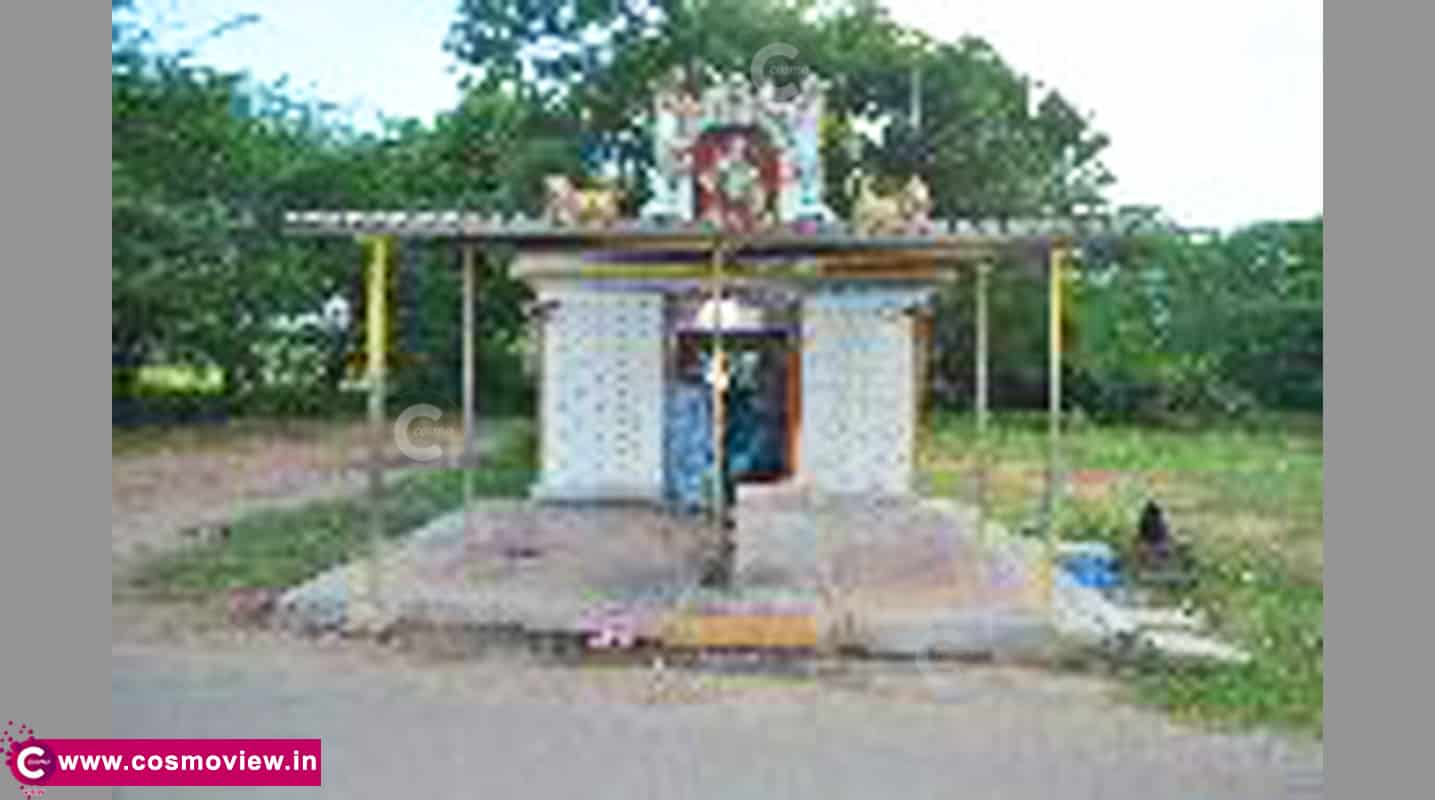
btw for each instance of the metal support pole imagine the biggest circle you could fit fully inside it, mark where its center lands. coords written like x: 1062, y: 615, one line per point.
x: 377, y: 329
x: 915, y: 112
x: 1058, y: 257
x: 470, y: 383
x: 538, y: 329
x: 981, y: 399
x: 470, y: 352
x: 719, y: 380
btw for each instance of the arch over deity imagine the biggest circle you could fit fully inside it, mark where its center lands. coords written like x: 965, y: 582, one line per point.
x: 737, y: 154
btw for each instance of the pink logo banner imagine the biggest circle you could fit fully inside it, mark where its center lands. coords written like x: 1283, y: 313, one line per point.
x: 165, y: 762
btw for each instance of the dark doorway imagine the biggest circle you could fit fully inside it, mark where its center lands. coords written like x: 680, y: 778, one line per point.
x: 761, y: 411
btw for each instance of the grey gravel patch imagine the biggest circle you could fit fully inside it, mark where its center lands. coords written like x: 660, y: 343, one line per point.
x: 319, y: 605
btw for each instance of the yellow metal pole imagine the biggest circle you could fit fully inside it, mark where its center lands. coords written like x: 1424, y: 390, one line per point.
x: 377, y: 329
x: 377, y: 319
x: 1055, y: 273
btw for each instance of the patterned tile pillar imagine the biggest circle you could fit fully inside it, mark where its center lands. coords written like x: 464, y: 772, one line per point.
x: 858, y: 391
x: 602, y: 396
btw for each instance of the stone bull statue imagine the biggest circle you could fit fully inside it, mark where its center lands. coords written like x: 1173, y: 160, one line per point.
x: 567, y: 205
x: 875, y: 214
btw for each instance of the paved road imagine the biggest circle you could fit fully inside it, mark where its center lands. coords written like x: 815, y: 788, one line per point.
x: 500, y: 729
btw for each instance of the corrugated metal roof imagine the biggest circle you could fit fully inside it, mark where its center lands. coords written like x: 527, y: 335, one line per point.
x: 955, y: 235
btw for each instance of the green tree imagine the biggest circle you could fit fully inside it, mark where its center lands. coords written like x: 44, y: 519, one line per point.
x: 1214, y: 325
x: 202, y: 165
x: 981, y: 146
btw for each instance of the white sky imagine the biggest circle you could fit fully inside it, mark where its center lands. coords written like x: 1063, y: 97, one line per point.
x: 1215, y: 109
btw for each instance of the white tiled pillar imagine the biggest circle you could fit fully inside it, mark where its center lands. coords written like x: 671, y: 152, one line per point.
x: 602, y: 396
x: 858, y: 392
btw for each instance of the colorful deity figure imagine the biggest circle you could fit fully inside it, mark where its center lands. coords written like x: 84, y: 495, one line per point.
x: 737, y: 179
x: 904, y: 211
x: 675, y: 122
x: 808, y: 110
x: 773, y: 175
x: 567, y: 205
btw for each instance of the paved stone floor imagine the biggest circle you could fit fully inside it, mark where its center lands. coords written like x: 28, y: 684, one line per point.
x: 544, y: 567
x: 905, y: 576
x: 900, y: 573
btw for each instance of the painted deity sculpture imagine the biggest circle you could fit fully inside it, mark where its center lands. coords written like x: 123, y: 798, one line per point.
x: 568, y: 205
x: 905, y: 211
x: 809, y: 157
x: 917, y: 201
x: 767, y: 170
x: 737, y: 178
x: 875, y: 214
x: 675, y: 122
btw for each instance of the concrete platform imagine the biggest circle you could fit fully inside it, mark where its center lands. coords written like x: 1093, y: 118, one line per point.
x: 545, y: 568
x: 881, y: 575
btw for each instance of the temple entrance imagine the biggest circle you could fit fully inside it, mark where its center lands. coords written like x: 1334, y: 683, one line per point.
x: 763, y: 410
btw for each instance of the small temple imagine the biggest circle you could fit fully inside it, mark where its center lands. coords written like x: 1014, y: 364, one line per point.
x: 739, y: 350
x: 736, y: 300
x: 820, y: 361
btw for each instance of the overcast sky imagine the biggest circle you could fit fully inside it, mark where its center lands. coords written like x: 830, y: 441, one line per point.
x: 1214, y: 108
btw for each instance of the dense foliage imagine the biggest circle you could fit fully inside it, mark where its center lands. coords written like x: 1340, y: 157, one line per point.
x: 989, y: 142
x: 202, y: 277
x: 204, y: 162
x: 1166, y: 327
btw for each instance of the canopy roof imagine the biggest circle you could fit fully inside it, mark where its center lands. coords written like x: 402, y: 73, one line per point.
x: 737, y: 166
x: 945, y: 240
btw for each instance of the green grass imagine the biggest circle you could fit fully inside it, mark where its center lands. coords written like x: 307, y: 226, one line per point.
x: 1278, y: 618
x: 1248, y: 498
x: 179, y: 378
x: 285, y: 547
